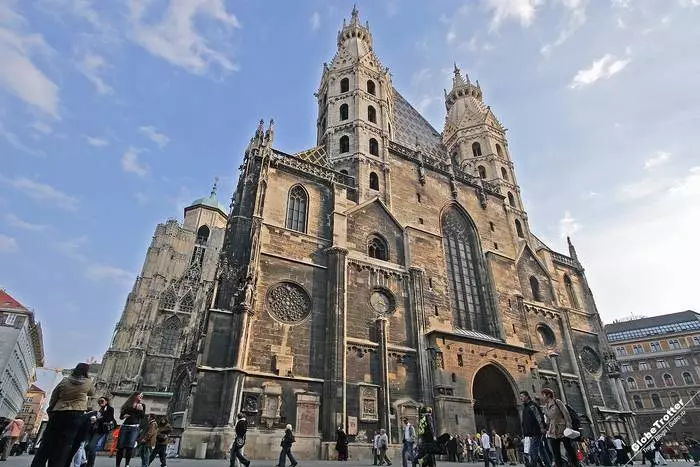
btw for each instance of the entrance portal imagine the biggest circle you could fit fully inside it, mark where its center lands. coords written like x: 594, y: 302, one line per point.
x: 495, y: 406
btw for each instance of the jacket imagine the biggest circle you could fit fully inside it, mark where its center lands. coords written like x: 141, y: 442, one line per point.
x: 71, y: 394
x: 163, y: 433
x: 426, y: 428
x: 288, y: 439
x: 14, y: 429
x: 148, y: 435
x: 532, y: 419
x: 241, y: 428
x: 558, y: 418
x: 105, y: 417
x: 133, y: 415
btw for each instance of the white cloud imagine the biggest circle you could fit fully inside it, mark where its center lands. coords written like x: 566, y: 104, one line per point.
x: 96, y: 142
x: 425, y: 103
x: 19, y: 75
x: 131, y: 164
x: 523, y: 11
x: 315, y: 21
x: 602, y: 68
x: 568, y: 225
x: 14, y: 221
x: 451, y: 36
x: 103, y: 272
x: 141, y: 198
x: 8, y: 244
x: 175, y: 38
x: 42, y: 127
x: 42, y: 192
x: 689, y: 3
x: 660, y: 158
x: 72, y: 247
x: 421, y: 76
x: 151, y: 133
x: 14, y: 141
x: 91, y: 66
x: 576, y: 17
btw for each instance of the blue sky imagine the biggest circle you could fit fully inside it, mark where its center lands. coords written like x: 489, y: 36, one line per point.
x: 115, y: 115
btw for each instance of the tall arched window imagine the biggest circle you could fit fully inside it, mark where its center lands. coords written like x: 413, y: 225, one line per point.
x: 296, y: 209
x: 656, y: 401
x: 519, y: 229
x: 476, y: 150
x: 344, y: 85
x: 466, y: 273
x: 482, y: 171
x: 377, y: 248
x: 638, y: 404
x: 344, y: 112
x: 649, y: 381
x: 688, y: 378
x: 373, y: 147
x: 171, y: 333
x: 373, y: 181
x: 372, y: 114
x: 535, y: 289
x: 511, y: 199
x: 499, y: 151
x: 371, y: 88
x: 186, y: 304
x: 344, y: 144
x: 168, y: 299
x: 202, y: 235
x: 631, y: 383
x: 668, y: 380
x: 504, y: 174
x: 571, y: 295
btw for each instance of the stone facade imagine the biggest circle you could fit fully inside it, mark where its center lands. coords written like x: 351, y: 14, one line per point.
x: 153, y: 342
x: 389, y: 267
x: 31, y: 412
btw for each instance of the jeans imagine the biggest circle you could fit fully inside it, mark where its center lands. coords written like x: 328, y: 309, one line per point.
x: 383, y: 457
x: 487, y: 458
x: 237, y: 454
x: 145, y: 451
x: 58, y: 438
x: 568, y: 447
x: 286, y: 452
x: 161, y: 452
x: 128, y: 434
x: 406, y: 452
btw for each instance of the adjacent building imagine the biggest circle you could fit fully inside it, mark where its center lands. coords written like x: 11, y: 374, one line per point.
x: 660, y: 364
x: 21, y: 352
x: 163, y: 313
x: 387, y: 267
x: 32, y: 412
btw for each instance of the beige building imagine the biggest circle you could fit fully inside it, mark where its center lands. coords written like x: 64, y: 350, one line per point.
x: 388, y: 267
x: 32, y: 412
x: 163, y: 313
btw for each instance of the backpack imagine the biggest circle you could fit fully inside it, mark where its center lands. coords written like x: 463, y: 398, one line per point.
x: 575, y: 419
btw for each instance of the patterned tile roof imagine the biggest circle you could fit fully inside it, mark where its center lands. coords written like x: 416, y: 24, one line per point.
x: 7, y: 303
x: 409, y: 124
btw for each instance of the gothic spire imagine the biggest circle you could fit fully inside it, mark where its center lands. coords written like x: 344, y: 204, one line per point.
x: 572, y: 249
x: 214, y: 187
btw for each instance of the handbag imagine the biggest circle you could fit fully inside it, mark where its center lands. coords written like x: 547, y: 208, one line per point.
x: 571, y: 434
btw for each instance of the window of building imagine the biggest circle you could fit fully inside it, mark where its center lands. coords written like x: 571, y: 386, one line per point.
x: 519, y: 229
x: 631, y: 383
x: 420, y: 220
x: 637, y: 402
x: 626, y: 368
x: 681, y: 361
x: 511, y: 199
x: 372, y: 114
x: 476, y: 149
x: 661, y: 364
x: 377, y: 248
x: 10, y: 319
x: 202, y: 235
x: 168, y: 299
x: 644, y: 366
x: 499, y: 151
x: 656, y: 401
x: 344, y: 112
x: 688, y: 378
x: 371, y: 88
x: 297, y: 205
x: 418, y: 198
x: 373, y: 181
x: 186, y: 304
x: 621, y: 352
x: 696, y: 400
x: 655, y: 346
x: 492, y: 226
x: 482, y: 171
x: 637, y: 349
x: 344, y: 172
x: 171, y: 334
x: 668, y: 380
x: 466, y: 273
x: 504, y: 174
x: 373, y: 147
x: 344, y: 144
x: 535, y: 289
x: 674, y: 344
x: 649, y: 381
x: 696, y: 340
x: 344, y: 85
x: 460, y: 359
x: 571, y: 295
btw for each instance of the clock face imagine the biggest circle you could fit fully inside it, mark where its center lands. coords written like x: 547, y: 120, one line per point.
x: 381, y: 302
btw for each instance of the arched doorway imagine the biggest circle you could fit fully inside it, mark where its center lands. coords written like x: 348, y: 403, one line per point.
x: 495, y: 403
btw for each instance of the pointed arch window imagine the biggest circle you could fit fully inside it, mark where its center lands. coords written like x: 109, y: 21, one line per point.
x: 535, y: 289
x: 504, y: 174
x: 344, y: 85
x: 511, y: 199
x: 202, y: 235
x: 631, y: 383
x: 656, y: 401
x: 519, y: 229
x: 649, y: 381
x: 373, y: 181
x: 476, y: 149
x: 187, y: 303
x: 499, y: 151
x: 571, y: 295
x: 482, y: 171
x: 297, y: 205
x: 668, y: 380
x: 372, y: 114
x: 171, y: 333
x: 344, y: 112
x: 688, y: 378
x: 377, y: 248
x: 344, y: 144
x: 373, y: 147
x: 638, y: 404
x: 168, y: 300
x: 466, y: 274
x: 371, y: 88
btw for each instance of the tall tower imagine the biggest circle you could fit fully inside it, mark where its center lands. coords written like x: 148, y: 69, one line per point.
x: 477, y: 144
x: 355, y: 111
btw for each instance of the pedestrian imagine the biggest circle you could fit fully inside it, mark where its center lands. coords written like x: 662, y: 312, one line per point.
x: 383, y: 447
x: 104, y: 425
x: 162, y: 437
x: 241, y: 430
x: 286, y: 445
x: 510, y: 449
x: 341, y: 444
x: 498, y: 447
x: 559, y: 420
x: 409, y: 439
x: 533, y: 426
x: 66, y: 407
x: 11, y: 436
x: 486, y: 448
x: 426, y: 436
x: 133, y: 412
x: 375, y: 448
x: 147, y: 440
x: 620, y: 450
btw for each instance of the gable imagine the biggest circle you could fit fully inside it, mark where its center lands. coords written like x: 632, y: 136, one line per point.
x: 529, y: 265
x: 373, y: 218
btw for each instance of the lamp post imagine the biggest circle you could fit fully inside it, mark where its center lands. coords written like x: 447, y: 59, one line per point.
x: 555, y: 363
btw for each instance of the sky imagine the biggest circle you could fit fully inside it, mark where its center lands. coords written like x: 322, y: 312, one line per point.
x: 116, y: 115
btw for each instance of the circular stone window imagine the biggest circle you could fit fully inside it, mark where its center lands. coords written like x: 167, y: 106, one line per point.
x: 546, y: 335
x: 382, y: 301
x: 590, y: 360
x: 288, y: 303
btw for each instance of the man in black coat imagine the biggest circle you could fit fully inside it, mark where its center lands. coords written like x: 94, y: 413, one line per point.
x: 533, y: 427
x: 239, y: 442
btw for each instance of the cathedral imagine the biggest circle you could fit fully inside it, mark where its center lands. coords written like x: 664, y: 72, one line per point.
x: 388, y: 267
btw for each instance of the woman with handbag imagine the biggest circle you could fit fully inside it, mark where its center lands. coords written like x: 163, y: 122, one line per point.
x: 559, y: 423
x: 133, y: 412
x: 103, y: 426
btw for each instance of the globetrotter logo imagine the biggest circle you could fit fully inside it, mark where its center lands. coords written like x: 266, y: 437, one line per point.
x: 660, y: 427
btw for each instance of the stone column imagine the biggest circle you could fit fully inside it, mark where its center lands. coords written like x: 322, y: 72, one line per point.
x: 334, y: 388
x: 424, y: 369
x: 581, y: 377
x: 621, y: 390
x: 555, y: 363
x: 383, y: 354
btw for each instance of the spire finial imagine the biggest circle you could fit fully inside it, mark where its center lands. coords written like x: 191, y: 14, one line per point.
x: 458, y: 80
x: 354, y: 16
x: 572, y: 249
x: 214, y: 187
